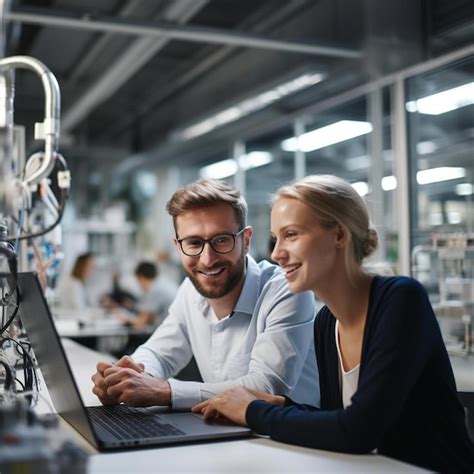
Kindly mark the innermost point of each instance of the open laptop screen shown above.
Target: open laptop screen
(39, 325)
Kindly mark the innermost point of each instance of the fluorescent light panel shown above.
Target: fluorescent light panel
(248, 106)
(325, 136)
(436, 175)
(444, 101)
(432, 175)
(225, 168)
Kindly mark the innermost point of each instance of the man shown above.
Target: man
(158, 294)
(235, 316)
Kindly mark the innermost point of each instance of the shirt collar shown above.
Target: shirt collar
(250, 291)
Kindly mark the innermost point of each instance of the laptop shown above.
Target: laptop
(105, 427)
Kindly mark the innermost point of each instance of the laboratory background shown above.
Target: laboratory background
(108, 107)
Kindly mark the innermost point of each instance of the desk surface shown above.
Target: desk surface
(248, 455)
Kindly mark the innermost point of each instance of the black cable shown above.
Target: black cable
(8, 375)
(60, 210)
(26, 359)
(9, 252)
(21, 384)
(15, 311)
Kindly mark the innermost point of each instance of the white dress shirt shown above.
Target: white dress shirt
(265, 344)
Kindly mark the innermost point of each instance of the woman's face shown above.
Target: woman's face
(307, 252)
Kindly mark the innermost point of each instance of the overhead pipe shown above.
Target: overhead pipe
(49, 129)
(39, 16)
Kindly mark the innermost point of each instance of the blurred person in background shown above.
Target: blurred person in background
(158, 293)
(72, 288)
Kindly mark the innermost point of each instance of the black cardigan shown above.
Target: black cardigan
(406, 403)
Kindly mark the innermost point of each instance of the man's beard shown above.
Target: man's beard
(236, 273)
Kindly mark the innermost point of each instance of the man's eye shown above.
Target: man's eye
(221, 239)
(194, 242)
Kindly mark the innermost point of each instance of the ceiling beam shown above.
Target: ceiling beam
(49, 17)
(133, 58)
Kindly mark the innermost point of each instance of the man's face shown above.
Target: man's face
(213, 274)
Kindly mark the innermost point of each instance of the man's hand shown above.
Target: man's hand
(124, 385)
(100, 388)
(126, 382)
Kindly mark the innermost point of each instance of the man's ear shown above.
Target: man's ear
(176, 243)
(247, 238)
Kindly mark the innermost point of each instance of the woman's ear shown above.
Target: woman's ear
(341, 236)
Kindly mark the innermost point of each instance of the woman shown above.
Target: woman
(73, 294)
(385, 376)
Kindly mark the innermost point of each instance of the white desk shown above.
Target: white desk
(242, 456)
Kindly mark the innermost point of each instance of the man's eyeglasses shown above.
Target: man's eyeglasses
(222, 243)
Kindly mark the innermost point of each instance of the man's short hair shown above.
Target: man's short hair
(207, 193)
(147, 270)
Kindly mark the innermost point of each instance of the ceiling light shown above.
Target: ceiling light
(219, 170)
(436, 175)
(329, 135)
(361, 187)
(425, 148)
(226, 168)
(254, 159)
(444, 101)
(389, 183)
(464, 189)
(248, 106)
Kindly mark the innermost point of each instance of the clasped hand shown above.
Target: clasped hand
(127, 382)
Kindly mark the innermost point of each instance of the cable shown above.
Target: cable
(29, 370)
(64, 185)
(8, 375)
(15, 311)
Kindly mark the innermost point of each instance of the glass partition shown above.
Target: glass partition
(440, 118)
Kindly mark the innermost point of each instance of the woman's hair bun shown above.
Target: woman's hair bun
(370, 243)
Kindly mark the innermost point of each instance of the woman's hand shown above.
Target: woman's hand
(232, 404)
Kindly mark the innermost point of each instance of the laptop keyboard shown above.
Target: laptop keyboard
(124, 422)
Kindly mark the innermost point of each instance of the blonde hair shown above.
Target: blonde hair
(334, 201)
(207, 193)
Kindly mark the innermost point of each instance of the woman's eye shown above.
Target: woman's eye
(290, 235)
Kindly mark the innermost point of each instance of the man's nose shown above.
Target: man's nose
(208, 255)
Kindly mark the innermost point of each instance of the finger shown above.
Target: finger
(101, 366)
(115, 391)
(113, 378)
(127, 361)
(210, 414)
(198, 408)
(117, 370)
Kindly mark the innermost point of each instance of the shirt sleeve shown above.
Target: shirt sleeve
(168, 350)
(399, 349)
(278, 355)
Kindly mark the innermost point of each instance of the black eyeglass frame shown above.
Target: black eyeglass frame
(209, 241)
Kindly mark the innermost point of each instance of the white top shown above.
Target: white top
(348, 381)
(72, 293)
(266, 344)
